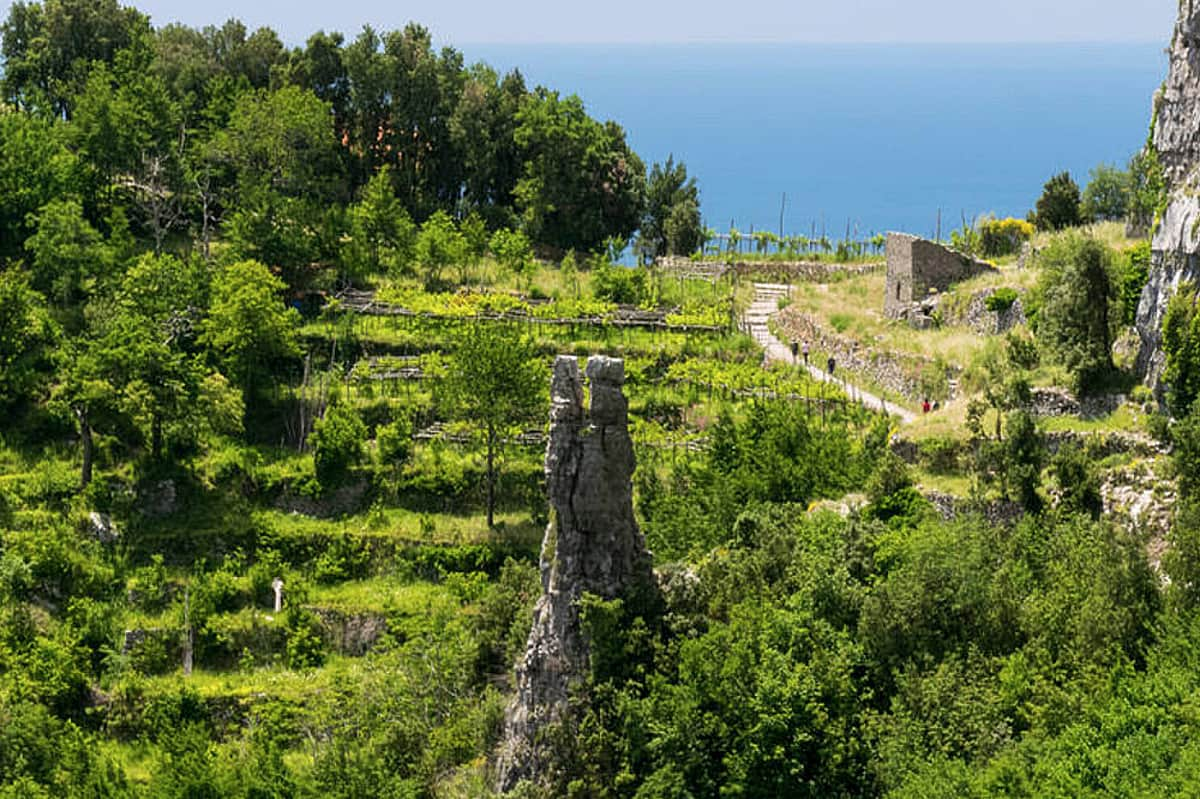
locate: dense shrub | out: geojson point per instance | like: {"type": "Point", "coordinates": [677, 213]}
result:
{"type": "Point", "coordinates": [1074, 319]}
{"type": "Point", "coordinates": [619, 284]}
{"type": "Point", "coordinates": [1001, 300]}
{"type": "Point", "coordinates": [1133, 275]}
{"type": "Point", "coordinates": [999, 237]}
{"type": "Point", "coordinates": [337, 444]}
{"type": "Point", "coordinates": [1181, 343]}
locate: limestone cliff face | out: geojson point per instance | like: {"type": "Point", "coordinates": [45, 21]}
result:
{"type": "Point", "coordinates": [592, 545]}
{"type": "Point", "coordinates": [1176, 246]}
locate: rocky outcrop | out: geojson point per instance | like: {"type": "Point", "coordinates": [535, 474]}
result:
{"type": "Point", "coordinates": [592, 546]}
{"type": "Point", "coordinates": [1176, 137]}
{"type": "Point", "coordinates": [1140, 498]}
{"type": "Point", "coordinates": [351, 634]}
{"type": "Point", "coordinates": [1045, 402]}
{"type": "Point", "coordinates": [976, 314]}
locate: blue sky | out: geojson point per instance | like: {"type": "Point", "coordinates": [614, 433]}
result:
{"type": "Point", "coordinates": [479, 21]}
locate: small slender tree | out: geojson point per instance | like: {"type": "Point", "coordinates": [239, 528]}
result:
{"type": "Point", "coordinates": [498, 381]}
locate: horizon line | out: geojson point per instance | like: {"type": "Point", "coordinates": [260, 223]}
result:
{"type": "Point", "coordinates": [837, 42]}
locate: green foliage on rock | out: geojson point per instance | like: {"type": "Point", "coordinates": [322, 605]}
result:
{"type": "Point", "coordinates": [1133, 275]}
{"type": "Point", "coordinates": [1148, 189]}
{"type": "Point", "coordinates": [1181, 344]}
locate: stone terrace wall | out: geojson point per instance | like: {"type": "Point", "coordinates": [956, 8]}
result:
{"type": "Point", "coordinates": [778, 271]}
{"type": "Point", "coordinates": [914, 266]}
{"type": "Point", "coordinates": [896, 372]}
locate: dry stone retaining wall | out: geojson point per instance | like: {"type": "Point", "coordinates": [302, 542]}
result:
{"type": "Point", "coordinates": [776, 271]}
{"type": "Point", "coordinates": [900, 374]}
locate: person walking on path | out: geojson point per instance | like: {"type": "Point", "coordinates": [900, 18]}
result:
{"type": "Point", "coordinates": [805, 351]}
{"type": "Point", "coordinates": [832, 364]}
{"type": "Point", "coordinates": [795, 352]}
{"type": "Point", "coordinates": [925, 406]}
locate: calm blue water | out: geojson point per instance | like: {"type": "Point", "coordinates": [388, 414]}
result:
{"type": "Point", "coordinates": [881, 136]}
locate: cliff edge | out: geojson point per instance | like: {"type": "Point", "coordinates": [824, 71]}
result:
{"type": "Point", "coordinates": [1176, 137]}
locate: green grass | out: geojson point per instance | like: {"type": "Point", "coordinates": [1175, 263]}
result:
{"type": "Point", "coordinates": [408, 527]}
{"type": "Point", "coordinates": [384, 594]}
{"type": "Point", "coordinates": [268, 682]}
{"type": "Point", "coordinates": [1127, 418]}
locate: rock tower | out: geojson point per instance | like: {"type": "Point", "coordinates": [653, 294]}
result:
{"type": "Point", "coordinates": [592, 545]}
{"type": "Point", "coordinates": [1176, 137]}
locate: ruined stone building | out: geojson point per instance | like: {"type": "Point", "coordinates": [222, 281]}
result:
{"type": "Point", "coordinates": [915, 265]}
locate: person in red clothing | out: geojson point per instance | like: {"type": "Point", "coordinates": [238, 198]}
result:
{"type": "Point", "coordinates": [925, 406]}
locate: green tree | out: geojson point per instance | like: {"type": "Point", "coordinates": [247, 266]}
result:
{"type": "Point", "coordinates": [47, 46]}
{"type": "Point", "coordinates": [581, 184]}
{"type": "Point", "coordinates": [68, 257]}
{"type": "Point", "coordinates": [671, 221]}
{"type": "Point", "coordinates": [35, 168]}
{"type": "Point", "coordinates": [496, 380]}
{"type": "Point", "coordinates": [483, 129]}
{"type": "Point", "coordinates": [26, 337]}
{"type": "Point", "coordinates": [283, 141]}
{"type": "Point", "coordinates": [1181, 343]}
{"type": "Point", "coordinates": [1025, 453]}
{"type": "Point", "coordinates": [440, 245]}
{"type": "Point", "coordinates": [290, 234]}
{"type": "Point", "coordinates": [1074, 321]}
{"type": "Point", "coordinates": [145, 342]}
{"type": "Point", "coordinates": [382, 236]}
{"type": "Point", "coordinates": [83, 393]}
{"type": "Point", "coordinates": [513, 252]}
{"type": "Point", "coordinates": [126, 129]}
{"type": "Point", "coordinates": [1058, 207]}
{"type": "Point", "coordinates": [283, 153]}
{"type": "Point", "coordinates": [1107, 194]}
{"type": "Point", "coordinates": [337, 441]}
{"type": "Point", "coordinates": [475, 234]}
{"type": "Point", "coordinates": [248, 327]}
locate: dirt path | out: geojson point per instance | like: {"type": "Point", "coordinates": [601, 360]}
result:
{"type": "Point", "coordinates": [765, 305]}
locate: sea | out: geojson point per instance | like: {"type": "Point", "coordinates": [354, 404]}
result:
{"type": "Point", "coordinates": [812, 139]}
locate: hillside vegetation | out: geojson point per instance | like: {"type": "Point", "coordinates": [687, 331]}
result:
{"type": "Point", "coordinates": [274, 346]}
